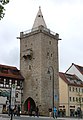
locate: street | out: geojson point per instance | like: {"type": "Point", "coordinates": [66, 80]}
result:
{"type": "Point", "coordinates": [22, 117]}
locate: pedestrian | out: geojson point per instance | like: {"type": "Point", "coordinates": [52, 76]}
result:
{"type": "Point", "coordinates": [18, 110]}
{"type": "Point", "coordinates": [15, 110]}
{"type": "Point", "coordinates": [50, 112]}
{"type": "Point", "coordinates": [55, 113]}
{"type": "Point", "coordinates": [9, 110]}
{"type": "Point", "coordinates": [37, 111]}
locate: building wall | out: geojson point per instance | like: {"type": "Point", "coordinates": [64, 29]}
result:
{"type": "Point", "coordinates": [63, 96]}
{"type": "Point", "coordinates": [38, 83]}
{"type": "Point", "coordinates": [76, 94]}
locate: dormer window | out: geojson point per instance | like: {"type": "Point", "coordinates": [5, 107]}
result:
{"type": "Point", "coordinates": [4, 70]}
{"type": "Point", "coordinates": [38, 15]}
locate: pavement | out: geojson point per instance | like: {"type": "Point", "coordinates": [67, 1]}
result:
{"type": "Point", "coordinates": [24, 117]}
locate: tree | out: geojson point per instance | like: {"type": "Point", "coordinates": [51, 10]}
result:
{"type": "Point", "coordinates": [2, 9]}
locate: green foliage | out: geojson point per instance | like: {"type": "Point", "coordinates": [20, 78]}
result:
{"type": "Point", "coordinates": [2, 9]}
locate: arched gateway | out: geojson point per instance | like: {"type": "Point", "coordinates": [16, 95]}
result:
{"type": "Point", "coordinates": [29, 105]}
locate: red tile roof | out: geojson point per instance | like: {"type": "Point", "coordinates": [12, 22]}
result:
{"type": "Point", "coordinates": [10, 72]}
{"type": "Point", "coordinates": [71, 79]}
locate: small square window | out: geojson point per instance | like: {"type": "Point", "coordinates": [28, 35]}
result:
{"type": "Point", "coordinates": [29, 67]}
{"type": "Point", "coordinates": [50, 42]}
{"type": "Point", "coordinates": [47, 53]}
{"type": "Point", "coordinates": [51, 54]}
{"type": "Point", "coordinates": [36, 94]}
{"type": "Point", "coordinates": [38, 15]}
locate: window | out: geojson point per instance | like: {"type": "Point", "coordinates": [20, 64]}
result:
{"type": "Point", "coordinates": [51, 54]}
{"type": "Point", "coordinates": [73, 99]}
{"type": "Point", "coordinates": [4, 82]}
{"type": "Point", "coordinates": [70, 98]}
{"type": "Point", "coordinates": [82, 90]}
{"type": "Point", "coordinates": [29, 67]}
{"type": "Point", "coordinates": [76, 90]}
{"type": "Point", "coordinates": [14, 71]}
{"type": "Point", "coordinates": [73, 89]}
{"type": "Point", "coordinates": [38, 15]}
{"type": "Point", "coordinates": [1, 81]}
{"type": "Point", "coordinates": [47, 53]}
{"type": "Point", "coordinates": [25, 45]}
{"type": "Point", "coordinates": [79, 89]}
{"type": "Point", "coordinates": [4, 70]}
{"type": "Point", "coordinates": [50, 42]}
{"type": "Point", "coordinates": [79, 99]}
{"type": "Point", "coordinates": [76, 99]}
{"type": "Point", "coordinates": [36, 94]}
{"type": "Point", "coordinates": [16, 95]}
{"type": "Point", "coordinates": [13, 81]}
{"type": "Point", "coordinates": [69, 88]}
{"type": "Point", "coordinates": [50, 77]}
{"type": "Point", "coordinates": [82, 99]}
{"type": "Point", "coordinates": [7, 81]}
{"type": "Point", "coordinates": [18, 82]}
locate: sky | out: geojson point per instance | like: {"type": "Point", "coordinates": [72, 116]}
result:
{"type": "Point", "coordinates": [64, 17]}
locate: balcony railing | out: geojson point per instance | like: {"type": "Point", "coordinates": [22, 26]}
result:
{"type": "Point", "coordinates": [38, 28]}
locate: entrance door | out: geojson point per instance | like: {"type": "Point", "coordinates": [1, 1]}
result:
{"type": "Point", "coordinates": [29, 105]}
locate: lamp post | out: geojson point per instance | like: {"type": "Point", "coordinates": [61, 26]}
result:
{"type": "Point", "coordinates": [49, 72]}
{"type": "Point", "coordinates": [21, 87]}
{"type": "Point", "coordinates": [12, 99]}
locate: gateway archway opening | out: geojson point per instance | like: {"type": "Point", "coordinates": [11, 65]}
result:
{"type": "Point", "coordinates": [29, 105]}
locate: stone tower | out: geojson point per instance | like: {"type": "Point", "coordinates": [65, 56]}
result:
{"type": "Point", "coordinates": [39, 66]}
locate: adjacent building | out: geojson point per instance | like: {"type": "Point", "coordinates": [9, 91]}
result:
{"type": "Point", "coordinates": [9, 75]}
{"type": "Point", "coordinates": [70, 94]}
{"type": "Point", "coordinates": [76, 69]}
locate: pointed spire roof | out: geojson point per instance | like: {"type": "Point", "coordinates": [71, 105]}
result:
{"type": "Point", "coordinates": [39, 20]}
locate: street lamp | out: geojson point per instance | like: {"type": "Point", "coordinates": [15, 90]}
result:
{"type": "Point", "coordinates": [49, 72]}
